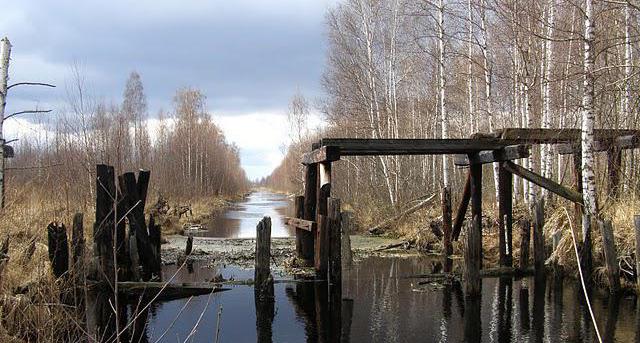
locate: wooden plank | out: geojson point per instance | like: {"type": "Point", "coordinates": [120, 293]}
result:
{"type": "Point", "coordinates": [362, 147]}
{"type": "Point", "coordinates": [322, 154]}
{"type": "Point", "coordinates": [104, 220]}
{"type": "Point", "coordinates": [543, 182]}
{"type": "Point", "coordinates": [300, 224]}
{"type": "Point", "coordinates": [542, 136]}
{"type": "Point", "coordinates": [631, 141]}
{"type": "Point", "coordinates": [512, 152]}
{"type": "Point", "coordinates": [462, 209]}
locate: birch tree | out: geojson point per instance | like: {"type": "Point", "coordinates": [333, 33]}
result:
{"type": "Point", "coordinates": [5, 53]}
{"type": "Point", "coordinates": [588, 120]}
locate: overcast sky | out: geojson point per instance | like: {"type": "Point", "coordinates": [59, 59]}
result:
{"type": "Point", "coordinates": [247, 56]}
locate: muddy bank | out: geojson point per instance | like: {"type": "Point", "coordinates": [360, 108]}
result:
{"type": "Point", "coordinates": [240, 252]}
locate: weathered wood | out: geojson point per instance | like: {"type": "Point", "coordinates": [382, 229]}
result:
{"type": "Point", "coordinates": [505, 216]}
{"type": "Point", "coordinates": [508, 153]}
{"type": "Point", "coordinates": [378, 229]}
{"type": "Point", "coordinates": [614, 165]}
{"type": "Point", "coordinates": [322, 232]}
{"type": "Point", "coordinates": [103, 229]}
{"type": "Point", "coordinates": [476, 204]}
{"type": "Point", "coordinates": [300, 225]}
{"type": "Point", "coordinates": [539, 255]}
{"type": "Point", "coordinates": [446, 230]}
{"type": "Point", "coordinates": [347, 222]}
{"type": "Point", "coordinates": [462, 209]}
{"type": "Point", "coordinates": [525, 239]}
{"type": "Point", "coordinates": [363, 147]}
{"type": "Point", "coordinates": [636, 222]}
{"type": "Point", "coordinates": [134, 258]}
{"type": "Point", "coordinates": [472, 256]}
{"type": "Point", "coordinates": [168, 291]}
{"type": "Point", "coordinates": [263, 252]}
{"type": "Point", "coordinates": [335, 245]}
{"type": "Point", "coordinates": [321, 155]}
{"type": "Point", "coordinates": [543, 182]}
{"type": "Point", "coordinates": [189, 246]}
{"type": "Point", "coordinates": [610, 255]}
{"type": "Point", "coordinates": [155, 238]}
{"type": "Point", "coordinates": [622, 142]}
{"type": "Point", "coordinates": [298, 212]}
{"type": "Point", "coordinates": [4, 257]}
{"type": "Point", "coordinates": [77, 245]}
{"type": "Point", "coordinates": [309, 213]}
{"type": "Point", "coordinates": [58, 248]}
{"type": "Point", "coordinates": [542, 136]}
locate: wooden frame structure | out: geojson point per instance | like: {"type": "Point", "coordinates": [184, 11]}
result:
{"type": "Point", "coordinates": [315, 243]}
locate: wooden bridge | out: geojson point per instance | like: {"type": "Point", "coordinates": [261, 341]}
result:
{"type": "Point", "coordinates": [317, 219]}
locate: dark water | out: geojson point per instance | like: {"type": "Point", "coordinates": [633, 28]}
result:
{"type": "Point", "coordinates": [383, 303]}
{"type": "Point", "coordinates": [240, 221]}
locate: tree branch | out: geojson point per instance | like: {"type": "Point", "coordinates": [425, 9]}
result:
{"type": "Point", "coordinates": [31, 84]}
{"type": "Point", "coordinates": [25, 112]}
{"type": "Point", "coordinates": [34, 167]}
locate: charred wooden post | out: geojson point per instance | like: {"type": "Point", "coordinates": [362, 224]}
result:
{"type": "Point", "coordinates": [462, 209]}
{"type": "Point", "coordinates": [335, 245]}
{"type": "Point", "coordinates": [610, 255]}
{"type": "Point", "coordinates": [103, 229]}
{"type": "Point", "coordinates": [322, 234]}
{"type": "Point", "coordinates": [476, 203]}
{"type": "Point", "coordinates": [525, 236]}
{"type": "Point", "coordinates": [636, 222]}
{"type": "Point", "coordinates": [77, 245]}
{"type": "Point", "coordinates": [309, 212]}
{"type": "Point", "coordinates": [446, 230]}
{"type": "Point", "coordinates": [155, 237]}
{"type": "Point", "coordinates": [58, 248]}
{"type": "Point", "coordinates": [262, 274]}
{"type": "Point", "coordinates": [505, 216]}
{"type": "Point", "coordinates": [539, 255]}
{"type": "Point", "coordinates": [472, 256]}
{"type": "Point", "coordinates": [298, 212]}
{"type": "Point", "coordinates": [134, 258]}
{"type": "Point", "coordinates": [614, 164]}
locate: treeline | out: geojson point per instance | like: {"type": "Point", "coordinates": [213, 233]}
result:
{"type": "Point", "coordinates": [438, 69]}
{"type": "Point", "coordinates": [186, 152]}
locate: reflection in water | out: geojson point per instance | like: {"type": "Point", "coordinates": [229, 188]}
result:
{"type": "Point", "coordinates": [240, 221]}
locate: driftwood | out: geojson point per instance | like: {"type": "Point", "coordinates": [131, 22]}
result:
{"type": "Point", "coordinates": [379, 229]}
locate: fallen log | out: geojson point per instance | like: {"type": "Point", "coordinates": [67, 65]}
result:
{"type": "Point", "coordinates": [168, 291]}
{"type": "Point", "coordinates": [379, 229]}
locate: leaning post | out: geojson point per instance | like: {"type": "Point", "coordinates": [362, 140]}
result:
{"type": "Point", "coordinates": [446, 229]}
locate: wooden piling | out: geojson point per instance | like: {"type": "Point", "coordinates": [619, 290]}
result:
{"type": "Point", "coordinates": [155, 238]}
{"type": "Point", "coordinates": [505, 216]}
{"type": "Point", "coordinates": [525, 236]}
{"type": "Point", "coordinates": [262, 272]}
{"type": "Point", "coordinates": [446, 230]}
{"type": "Point", "coordinates": [610, 255]}
{"type": "Point", "coordinates": [472, 256]}
{"type": "Point", "coordinates": [133, 258]}
{"type": "Point", "coordinates": [322, 235]}
{"type": "Point", "coordinates": [335, 245]}
{"type": "Point", "coordinates": [58, 249]}
{"type": "Point", "coordinates": [298, 212]}
{"type": "Point", "coordinates": [539, 254]}
{"type": "Point", "coordinates": [347, 222]}
{"type": "Point", "coordinates": [105, 220]}
{"type": "Point", "coordinates": [462, 209]}
{"type": "Point", "coordinates": [636, 221]}
{"type": "Point", "coordinates": [77, 245]}
{"type": "Point", "coordinates": [476, 204]}
{"type": "Point", "coordinates": [309, 212]}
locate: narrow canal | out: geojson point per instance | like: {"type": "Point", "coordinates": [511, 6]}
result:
{"type": "Point", "coordinates": [386, 304]}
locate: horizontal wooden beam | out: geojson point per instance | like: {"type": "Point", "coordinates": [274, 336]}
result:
{"type": "Point", "coordinates": [321, 154]}
{"type": "Point", "coordinates": [543, 182]}
{"type": "Point", "coordinates": [169, 291]}
{"type": "Point", "coordinates": [513, 152]}
{"type": "Point", "coordinates": [298, 223]}
{"type": "Point", "coordinates": [550, 136]}
{"type": "Point", "coordinates": [622, 142]}
{"type": "Point", "coordinates": [363, 147]}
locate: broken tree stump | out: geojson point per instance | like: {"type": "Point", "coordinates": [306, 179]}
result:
{"type": "Point", "coordinates": [58, 248]}
{"type": "Point", "coordinates": [525, 238]}
{"type": "Point", "coordinates": [262, 274]}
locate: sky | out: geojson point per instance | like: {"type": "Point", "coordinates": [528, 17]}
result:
{"type": "Point", "coordinates": [248, 56]}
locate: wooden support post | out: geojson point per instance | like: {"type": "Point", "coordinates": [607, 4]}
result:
{"type": "Point", "coordinates": [134, 258]}
{"type": "Point", "coordinates": [610, 255]}
{"type": "Point", "coordinates": [155, 238]}
{"type": "Point", "coordinates": [347, 222]}
{"type": "Point", "coordinates": [636, 221]}
{"type": "Point", "coordinates": [77, 246]}
{"type": "Point", "coordinates": [472, 256]}
{"type": "Point", "coordinates": [476, 203]}
{"type": "Point", "coordinates": [309, 212]}
{"type": "Point", "coordinates": [263, 253]}
{"type": "Point", "coordinates": [614, 164]}
{"type": "Point", "coordinates": [539, 254]}
{"type": "Point", "coordinates": [505, 215]}
{"type": "Point", "coordinates": [189, 246]}
{"type": "Point", "coordinates": [58, 248]}
{"type": "Point", "coordinates": [103, 228]}
{"type": "Point", "coordinates": [577, 183]}
{"type": "Point", "coordinates": [446, 230]}
{"type": "Point", "coordinates": [322, 234]}
{"type": "Point", "coordinates": [298, 212]}
{"type": "Point", "coordinates": [525, 236]}
{"type": "Point", "coordinates": [462, 209]}
{"type": "Point", "coordinates": [335, 245]}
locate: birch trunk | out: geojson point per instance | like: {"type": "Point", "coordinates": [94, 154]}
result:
{"type": "Point", "coordinates": [545, 153]}
{"type": "Point", "coordinates": [5, 53]}
{"type": "Point", "coordinates": [588, 119]}
{"type": "Point", "coordinates": [472, 117]}
{"type": "Point", "coordinates": [442, 83]}
{"type": "Point", "coordinates": [626, 98]}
